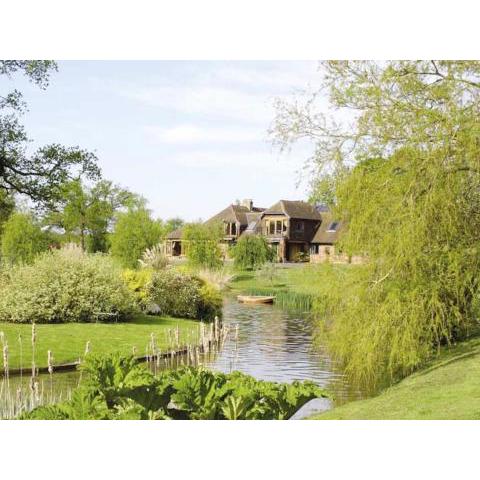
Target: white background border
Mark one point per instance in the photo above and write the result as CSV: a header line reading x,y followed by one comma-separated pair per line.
x,y
208,29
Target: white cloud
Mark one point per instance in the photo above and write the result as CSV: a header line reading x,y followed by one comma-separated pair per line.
x,y
210,102
281,78
188,134
236,91
254,161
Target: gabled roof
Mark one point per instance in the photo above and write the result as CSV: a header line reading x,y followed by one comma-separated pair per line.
x,y
328,231
254,225
234,213
294,209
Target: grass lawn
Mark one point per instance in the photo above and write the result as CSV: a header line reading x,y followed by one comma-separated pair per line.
x,y
303,278
294,285
67,340
448,388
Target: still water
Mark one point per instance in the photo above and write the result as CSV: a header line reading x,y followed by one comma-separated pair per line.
x,y
272,344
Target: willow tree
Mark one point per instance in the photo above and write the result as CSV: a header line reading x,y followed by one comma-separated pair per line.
x,y
251,252
403,147
202,245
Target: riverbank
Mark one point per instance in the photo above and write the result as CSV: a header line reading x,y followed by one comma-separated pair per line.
x,y
448,388
294,285
67,341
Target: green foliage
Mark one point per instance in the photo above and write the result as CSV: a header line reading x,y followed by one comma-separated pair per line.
x,y
268,272
137,281
39,175
135,231
7,207
202,245
86,214
117,387
409,159
251,252
302,257
182,295
172,224
211,302
22,239
66,285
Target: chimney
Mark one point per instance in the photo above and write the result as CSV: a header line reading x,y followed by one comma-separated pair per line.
x,y
248,202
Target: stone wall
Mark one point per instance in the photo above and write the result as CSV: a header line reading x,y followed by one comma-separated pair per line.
x,y
327,253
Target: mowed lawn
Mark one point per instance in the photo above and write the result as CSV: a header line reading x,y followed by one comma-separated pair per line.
x,y
302,278
447,389
67,341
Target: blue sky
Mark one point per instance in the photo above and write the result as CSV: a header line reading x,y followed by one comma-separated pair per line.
x,y
191,137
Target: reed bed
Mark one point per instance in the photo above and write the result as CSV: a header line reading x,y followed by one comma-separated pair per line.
x,y
186,348
287,300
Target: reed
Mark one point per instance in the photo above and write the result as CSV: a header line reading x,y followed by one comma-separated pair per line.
x,y
288,300
188,348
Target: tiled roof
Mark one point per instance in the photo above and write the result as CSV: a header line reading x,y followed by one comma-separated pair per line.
x,y
235,213
328,231
294,209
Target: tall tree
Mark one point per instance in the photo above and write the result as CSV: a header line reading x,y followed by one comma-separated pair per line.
x,y
39,175
88,213
172,224
406,162
7,206
202,244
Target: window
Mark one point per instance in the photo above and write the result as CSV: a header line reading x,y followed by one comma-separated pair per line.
x,y
271,229
234,229
332,227
299,226
278,230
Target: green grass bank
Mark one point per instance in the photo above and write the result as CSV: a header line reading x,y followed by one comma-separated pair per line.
x,y
295,285
67,341
447,388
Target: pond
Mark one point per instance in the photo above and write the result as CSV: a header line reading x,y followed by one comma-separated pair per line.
x,y
272,344
277,345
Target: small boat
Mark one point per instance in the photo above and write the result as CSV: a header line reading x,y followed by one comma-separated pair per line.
x,y
255,299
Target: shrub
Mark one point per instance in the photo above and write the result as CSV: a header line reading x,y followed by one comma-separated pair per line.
x,y
268,272
134,232
117,388
302,257
218,278
182,295
22,239
154,258
251,252
211,302
66,285
137,281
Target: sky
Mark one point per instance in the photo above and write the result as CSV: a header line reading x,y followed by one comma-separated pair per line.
x,y
191,137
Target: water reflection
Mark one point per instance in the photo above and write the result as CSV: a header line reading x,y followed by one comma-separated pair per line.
x,y
271,344
276,345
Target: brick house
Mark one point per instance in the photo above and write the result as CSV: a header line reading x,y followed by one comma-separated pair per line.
x,y
294,228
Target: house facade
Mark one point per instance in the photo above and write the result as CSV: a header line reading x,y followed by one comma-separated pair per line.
x,y
289,227
295,229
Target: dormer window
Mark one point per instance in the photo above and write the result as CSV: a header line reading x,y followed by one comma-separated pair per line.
x,y
332,227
